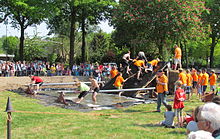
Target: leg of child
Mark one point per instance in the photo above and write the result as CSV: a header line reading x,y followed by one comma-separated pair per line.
x,y
94,97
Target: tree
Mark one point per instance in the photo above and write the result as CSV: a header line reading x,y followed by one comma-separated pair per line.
x,y
70,12
91,12
159,20
213,19
24,14
10,45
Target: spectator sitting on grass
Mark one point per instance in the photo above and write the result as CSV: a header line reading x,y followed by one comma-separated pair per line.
x,y
169,116
192,125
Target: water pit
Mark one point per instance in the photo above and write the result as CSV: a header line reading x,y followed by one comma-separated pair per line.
x,y
48,97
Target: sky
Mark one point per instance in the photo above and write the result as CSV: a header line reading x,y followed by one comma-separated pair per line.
x,y
41,30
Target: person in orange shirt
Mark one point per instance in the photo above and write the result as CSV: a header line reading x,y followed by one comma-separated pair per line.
x,y
213,79
205,81
139,65
162,89
152,64
119,82
182,78
195,78
177,56
189,80
199,84
113,72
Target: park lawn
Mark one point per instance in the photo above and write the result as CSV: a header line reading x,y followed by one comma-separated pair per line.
x,y
133,122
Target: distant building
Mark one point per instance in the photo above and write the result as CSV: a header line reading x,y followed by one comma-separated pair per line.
x,y
6,57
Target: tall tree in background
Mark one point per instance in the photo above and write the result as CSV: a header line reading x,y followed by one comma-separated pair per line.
x,y
24,14
213,19
91,12
84,12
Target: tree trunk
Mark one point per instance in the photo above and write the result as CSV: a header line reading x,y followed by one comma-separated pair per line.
x,y
21,46
161,49
72,36
186,55
212,50
83,49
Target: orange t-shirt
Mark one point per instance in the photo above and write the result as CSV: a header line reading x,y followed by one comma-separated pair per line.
x,y
118,82
178,53
139,63
189,79
161,88
213,79
113,73
200,78
205,79
195,77
183,78
153,62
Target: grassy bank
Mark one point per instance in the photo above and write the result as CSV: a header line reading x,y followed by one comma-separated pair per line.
x,y
133,122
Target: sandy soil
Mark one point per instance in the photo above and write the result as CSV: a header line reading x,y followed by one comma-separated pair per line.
x,y
8,83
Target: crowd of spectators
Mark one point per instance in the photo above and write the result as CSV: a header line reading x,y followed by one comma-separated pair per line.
x,y
40,68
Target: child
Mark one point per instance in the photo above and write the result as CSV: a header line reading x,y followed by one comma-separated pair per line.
x,y
178,105
119,82
83,90
61,98
169,116
94,87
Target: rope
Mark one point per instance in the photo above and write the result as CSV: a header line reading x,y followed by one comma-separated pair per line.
x,y
88,114
95,114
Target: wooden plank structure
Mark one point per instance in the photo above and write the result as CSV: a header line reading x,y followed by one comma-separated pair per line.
x,y
148,79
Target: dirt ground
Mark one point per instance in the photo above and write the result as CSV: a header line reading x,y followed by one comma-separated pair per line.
x,y
8,83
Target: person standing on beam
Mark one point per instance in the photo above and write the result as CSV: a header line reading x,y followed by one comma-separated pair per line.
x,y
126,58
177,56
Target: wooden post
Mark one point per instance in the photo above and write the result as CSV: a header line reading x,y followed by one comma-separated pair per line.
x,y
9,119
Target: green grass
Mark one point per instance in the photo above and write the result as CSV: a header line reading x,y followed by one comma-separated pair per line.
x,y
133,122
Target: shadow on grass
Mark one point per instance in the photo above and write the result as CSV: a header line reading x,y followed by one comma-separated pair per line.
x,y
139,111
148,125
130,111
177,132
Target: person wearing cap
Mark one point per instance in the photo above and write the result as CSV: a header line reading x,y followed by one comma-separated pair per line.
x,y
37,81
212,81
162,89
177,56
205,81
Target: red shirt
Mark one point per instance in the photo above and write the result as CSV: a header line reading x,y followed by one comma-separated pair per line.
x,y
180,96
36,79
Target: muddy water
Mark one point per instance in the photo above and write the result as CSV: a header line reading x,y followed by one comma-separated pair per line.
x,y
104,101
